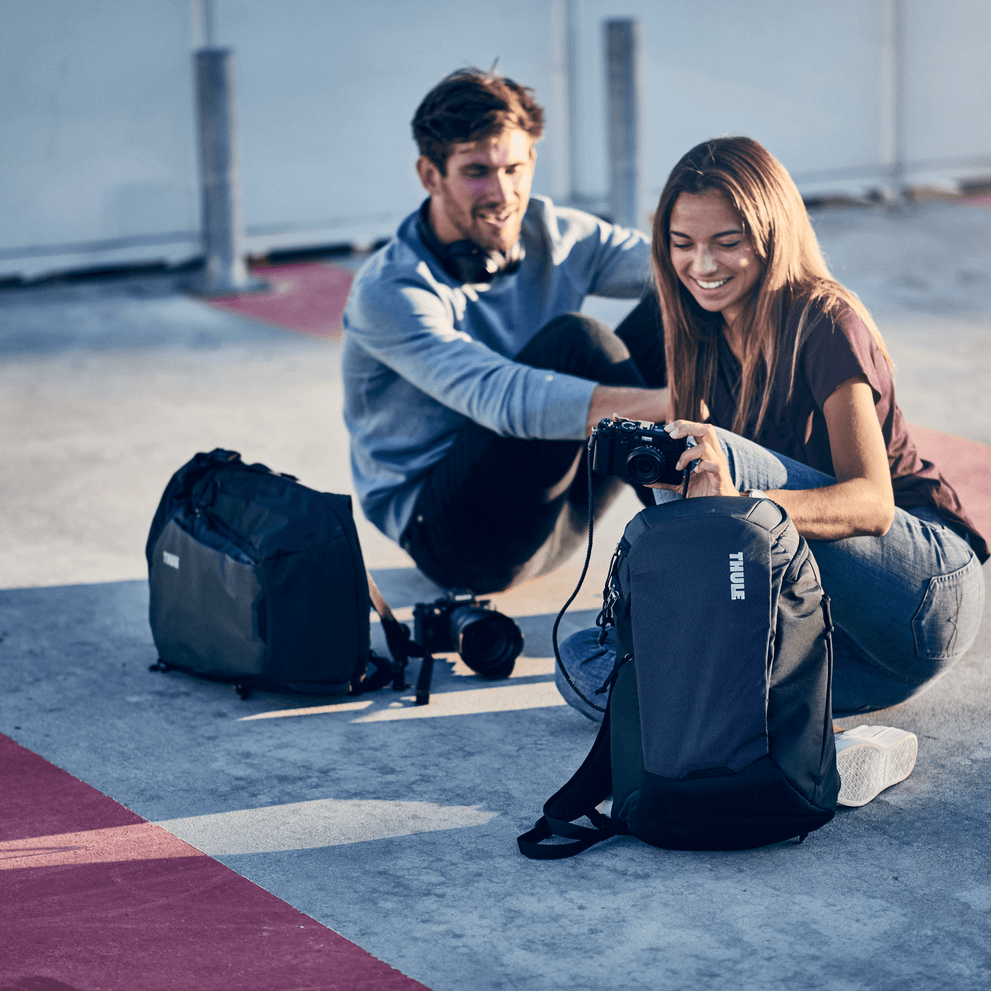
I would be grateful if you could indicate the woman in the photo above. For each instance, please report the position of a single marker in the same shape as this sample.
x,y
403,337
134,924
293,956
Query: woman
x,y
781,378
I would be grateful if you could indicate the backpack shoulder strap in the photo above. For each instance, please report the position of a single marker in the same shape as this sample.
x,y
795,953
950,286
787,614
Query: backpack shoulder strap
x,y
590,784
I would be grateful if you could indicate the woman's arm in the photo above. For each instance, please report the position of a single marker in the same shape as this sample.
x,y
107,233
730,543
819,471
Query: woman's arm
x,y
861,503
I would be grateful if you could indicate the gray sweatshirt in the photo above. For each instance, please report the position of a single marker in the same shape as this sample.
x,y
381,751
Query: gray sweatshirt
x,y
422,352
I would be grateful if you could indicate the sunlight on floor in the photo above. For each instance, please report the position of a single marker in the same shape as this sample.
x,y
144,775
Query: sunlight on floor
x,y
383,707
319,823
504,696
140,841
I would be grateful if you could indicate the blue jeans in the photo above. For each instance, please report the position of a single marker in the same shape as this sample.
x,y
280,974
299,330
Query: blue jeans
x,y
906,606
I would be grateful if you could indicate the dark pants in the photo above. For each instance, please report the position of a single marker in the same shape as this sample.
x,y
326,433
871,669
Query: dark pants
x,y
498,510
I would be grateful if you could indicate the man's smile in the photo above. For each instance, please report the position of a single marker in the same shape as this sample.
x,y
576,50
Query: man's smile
x,y
496,218
483,196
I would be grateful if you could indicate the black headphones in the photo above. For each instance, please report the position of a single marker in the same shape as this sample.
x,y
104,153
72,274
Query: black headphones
x,y
464,260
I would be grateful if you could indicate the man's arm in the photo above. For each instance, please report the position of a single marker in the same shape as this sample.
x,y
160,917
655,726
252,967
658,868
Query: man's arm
x,y
628,401
409,326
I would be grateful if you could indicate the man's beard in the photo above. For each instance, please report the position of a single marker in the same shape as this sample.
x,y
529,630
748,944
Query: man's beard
x,y
486,236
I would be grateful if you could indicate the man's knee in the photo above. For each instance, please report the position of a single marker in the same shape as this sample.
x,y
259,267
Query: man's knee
x,y
580,345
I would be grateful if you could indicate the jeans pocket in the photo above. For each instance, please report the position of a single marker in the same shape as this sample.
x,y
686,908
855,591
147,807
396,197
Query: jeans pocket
x,y
946,622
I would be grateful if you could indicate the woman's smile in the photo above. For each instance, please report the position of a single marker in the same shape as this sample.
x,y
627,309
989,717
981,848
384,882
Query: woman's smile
x,y
712,254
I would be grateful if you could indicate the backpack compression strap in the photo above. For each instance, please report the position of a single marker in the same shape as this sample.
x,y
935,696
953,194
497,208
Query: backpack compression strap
x,y
589,785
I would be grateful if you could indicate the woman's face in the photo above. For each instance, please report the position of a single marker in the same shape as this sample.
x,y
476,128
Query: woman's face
x,y
711,253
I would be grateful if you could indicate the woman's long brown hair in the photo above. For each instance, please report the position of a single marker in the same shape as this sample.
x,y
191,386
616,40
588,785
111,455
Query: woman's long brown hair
x,y
793,273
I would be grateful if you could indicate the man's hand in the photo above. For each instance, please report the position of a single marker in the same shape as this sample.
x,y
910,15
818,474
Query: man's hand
x,y
633,403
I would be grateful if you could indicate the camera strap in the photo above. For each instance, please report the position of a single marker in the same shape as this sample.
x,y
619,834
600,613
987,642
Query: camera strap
x,y
589,455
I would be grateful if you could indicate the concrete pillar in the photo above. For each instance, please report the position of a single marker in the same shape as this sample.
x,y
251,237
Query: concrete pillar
x,y
623,89
558,133
892,102
223,228
576,126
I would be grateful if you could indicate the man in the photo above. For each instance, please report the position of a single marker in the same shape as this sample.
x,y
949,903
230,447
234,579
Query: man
x,y
470,383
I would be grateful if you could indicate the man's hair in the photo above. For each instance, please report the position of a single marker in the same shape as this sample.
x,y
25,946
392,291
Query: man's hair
x,y
470,105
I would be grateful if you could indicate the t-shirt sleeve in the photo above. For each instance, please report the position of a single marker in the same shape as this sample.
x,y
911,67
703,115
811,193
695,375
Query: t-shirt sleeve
x,y
839,347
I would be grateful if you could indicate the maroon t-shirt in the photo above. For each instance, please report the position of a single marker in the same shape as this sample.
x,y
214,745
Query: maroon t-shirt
x,y
834,351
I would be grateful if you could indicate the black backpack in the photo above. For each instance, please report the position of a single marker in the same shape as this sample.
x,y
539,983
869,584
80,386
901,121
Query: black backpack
x,y
260,581
718,728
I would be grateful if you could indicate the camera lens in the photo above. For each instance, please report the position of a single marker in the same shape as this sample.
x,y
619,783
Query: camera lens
x,y
488,642
645,465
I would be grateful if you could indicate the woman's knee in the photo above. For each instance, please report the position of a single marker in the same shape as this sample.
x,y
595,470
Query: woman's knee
x,y
755,467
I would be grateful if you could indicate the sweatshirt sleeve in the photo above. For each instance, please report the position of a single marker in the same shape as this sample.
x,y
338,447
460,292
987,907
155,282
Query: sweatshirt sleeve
x,y
622,266
605,259
411,323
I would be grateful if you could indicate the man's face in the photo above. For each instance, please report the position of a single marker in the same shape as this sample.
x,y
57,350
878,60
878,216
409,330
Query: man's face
x,y
486,190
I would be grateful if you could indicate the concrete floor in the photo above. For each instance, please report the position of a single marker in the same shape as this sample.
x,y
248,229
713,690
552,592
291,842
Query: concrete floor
x,y
396,825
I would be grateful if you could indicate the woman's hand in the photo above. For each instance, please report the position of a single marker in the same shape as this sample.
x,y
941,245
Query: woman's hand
x,y
710,475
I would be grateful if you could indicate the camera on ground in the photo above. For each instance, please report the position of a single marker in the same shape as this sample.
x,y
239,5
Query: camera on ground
x,y
487,641
637,449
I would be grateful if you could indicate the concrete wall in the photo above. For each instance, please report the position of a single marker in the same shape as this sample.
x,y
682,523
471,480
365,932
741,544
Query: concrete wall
x,y
97,148
97,129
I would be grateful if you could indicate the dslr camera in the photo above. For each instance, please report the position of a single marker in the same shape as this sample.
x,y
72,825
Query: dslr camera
x,y
637,449
487,641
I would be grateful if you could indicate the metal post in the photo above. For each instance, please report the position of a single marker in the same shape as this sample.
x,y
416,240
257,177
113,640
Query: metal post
x,y
223,229
623,89
892,109
558,134
576,132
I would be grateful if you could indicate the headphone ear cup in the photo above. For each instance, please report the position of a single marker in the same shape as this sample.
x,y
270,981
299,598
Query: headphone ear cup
x,y
464,260
466,263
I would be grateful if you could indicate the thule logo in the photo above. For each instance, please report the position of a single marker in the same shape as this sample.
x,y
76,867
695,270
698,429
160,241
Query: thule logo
x,y
736,590
172,560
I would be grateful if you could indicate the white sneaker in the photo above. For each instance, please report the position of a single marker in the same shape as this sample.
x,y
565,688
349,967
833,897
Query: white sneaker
x,y
872,758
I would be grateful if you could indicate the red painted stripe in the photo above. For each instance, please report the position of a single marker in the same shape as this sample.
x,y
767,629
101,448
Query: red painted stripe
x,y
308,297
94,896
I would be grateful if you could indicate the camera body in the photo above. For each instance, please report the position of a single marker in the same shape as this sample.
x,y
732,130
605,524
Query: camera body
x,y
487,641
637,449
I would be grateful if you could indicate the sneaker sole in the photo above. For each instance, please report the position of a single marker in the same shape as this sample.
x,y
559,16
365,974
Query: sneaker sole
x,y
867,768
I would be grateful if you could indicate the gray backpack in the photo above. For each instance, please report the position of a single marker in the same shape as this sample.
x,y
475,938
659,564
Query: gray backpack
x,y
718,727
258,580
